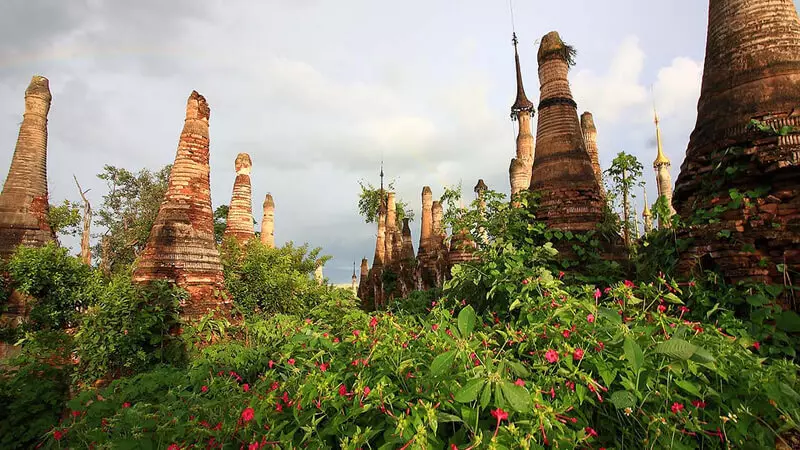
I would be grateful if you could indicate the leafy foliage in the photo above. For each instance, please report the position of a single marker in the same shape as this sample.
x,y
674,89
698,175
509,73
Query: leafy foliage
x,y
58,284
624,174
128,212
65,218
220,222
265,280
369,200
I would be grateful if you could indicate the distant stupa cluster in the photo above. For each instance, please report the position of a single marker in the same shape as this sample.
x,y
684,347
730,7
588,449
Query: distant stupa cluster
x,y
751,77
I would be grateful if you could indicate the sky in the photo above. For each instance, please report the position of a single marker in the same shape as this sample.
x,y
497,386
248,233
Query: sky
x,y
318,92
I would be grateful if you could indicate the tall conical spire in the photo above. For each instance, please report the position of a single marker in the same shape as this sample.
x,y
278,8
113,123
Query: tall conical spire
x,y
521,104
661,158
647,216
24,201
562,169
663,178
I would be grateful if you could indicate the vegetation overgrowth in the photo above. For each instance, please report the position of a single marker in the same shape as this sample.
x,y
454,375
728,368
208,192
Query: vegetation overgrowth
x,y
520,349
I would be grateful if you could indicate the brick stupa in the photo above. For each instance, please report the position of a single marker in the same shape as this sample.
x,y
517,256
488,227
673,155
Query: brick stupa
x,y
752,71
268,222
562,170
239,224
24,201
181,246
522,111
589,131
425,277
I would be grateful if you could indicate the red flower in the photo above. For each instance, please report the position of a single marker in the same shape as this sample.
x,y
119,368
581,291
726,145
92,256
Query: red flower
x,y
248,414
278,407
629,284
271,364
342,390
590,318
291,361
274,386
756,345
285,397
551,356
676,408
336,340
76,413
519,382
699,404
204,388
58,435
373,323
367,390
245,387
356,333
597,294
435,327
323,367
570,385
684,309
577,355
499,414
525,281
662,308
590,431
253,446
600,346
566,334
126,405
560,275
453,447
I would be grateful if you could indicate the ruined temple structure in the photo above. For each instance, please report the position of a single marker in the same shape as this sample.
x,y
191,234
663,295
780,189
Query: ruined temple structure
x,y
181,246
363,279
373,298
522,112
24,201
663,179
647,216
752,71
390,228
590,139
425,277
240,213
406,262
439,261
354,280
268,222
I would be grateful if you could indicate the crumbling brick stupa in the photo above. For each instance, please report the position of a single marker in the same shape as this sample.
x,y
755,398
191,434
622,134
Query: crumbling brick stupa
x,y
752,71
563,173
268,222
24,203
589,131
181,246
239,224
425,274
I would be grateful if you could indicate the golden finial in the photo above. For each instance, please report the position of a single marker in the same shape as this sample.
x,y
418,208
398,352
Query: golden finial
x,y
661,158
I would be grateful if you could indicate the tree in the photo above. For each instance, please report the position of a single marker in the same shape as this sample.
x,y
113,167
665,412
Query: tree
x,y
64,219
370,198
128,212
624,174
86,251
220,222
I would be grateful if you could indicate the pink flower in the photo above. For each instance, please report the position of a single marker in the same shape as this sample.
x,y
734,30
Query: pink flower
x,y
245,387
435,327
291,361
126,405
271,364
336,340
757,345
519,382
274,386
698,404
590,431
590,318
342,390
499,414
356,333
597,294
367,390
629,284
253,446
373,323
551,356
323,367
662,308
676,408
600,346
565,333
525,281
684,309
278,407
248,414
577,355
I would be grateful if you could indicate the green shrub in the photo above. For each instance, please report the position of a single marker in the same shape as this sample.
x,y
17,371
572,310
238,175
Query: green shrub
x,y
130,328
59,284
265,280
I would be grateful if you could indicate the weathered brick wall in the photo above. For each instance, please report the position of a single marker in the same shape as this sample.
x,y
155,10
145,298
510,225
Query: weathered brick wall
x,y
181,246
24,200
752,71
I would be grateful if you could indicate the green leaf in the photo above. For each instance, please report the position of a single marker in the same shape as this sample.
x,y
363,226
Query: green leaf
x,y
610,314
788,321
470,392
623,399
672,298
688,387
444,417
442,362
517,396
486,395
466,321
676,348
702,355
633,353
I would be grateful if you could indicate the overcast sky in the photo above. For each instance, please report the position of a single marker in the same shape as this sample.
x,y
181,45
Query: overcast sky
x,y
318,91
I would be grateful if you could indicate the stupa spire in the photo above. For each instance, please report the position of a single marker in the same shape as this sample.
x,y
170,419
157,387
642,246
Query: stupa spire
x,y
519,172
521,104
661,166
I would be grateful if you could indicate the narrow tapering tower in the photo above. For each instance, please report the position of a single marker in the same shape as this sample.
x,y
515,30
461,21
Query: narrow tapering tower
x,y
663,178
181,246
590,138
268,222
391,227
240,213
363,281
354,280
522,112
647,216
427,222
408,244
24,201
562,169
752,72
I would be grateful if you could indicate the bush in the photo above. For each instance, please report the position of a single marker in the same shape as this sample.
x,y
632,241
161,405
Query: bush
x,y
265,280
129,329
59,284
